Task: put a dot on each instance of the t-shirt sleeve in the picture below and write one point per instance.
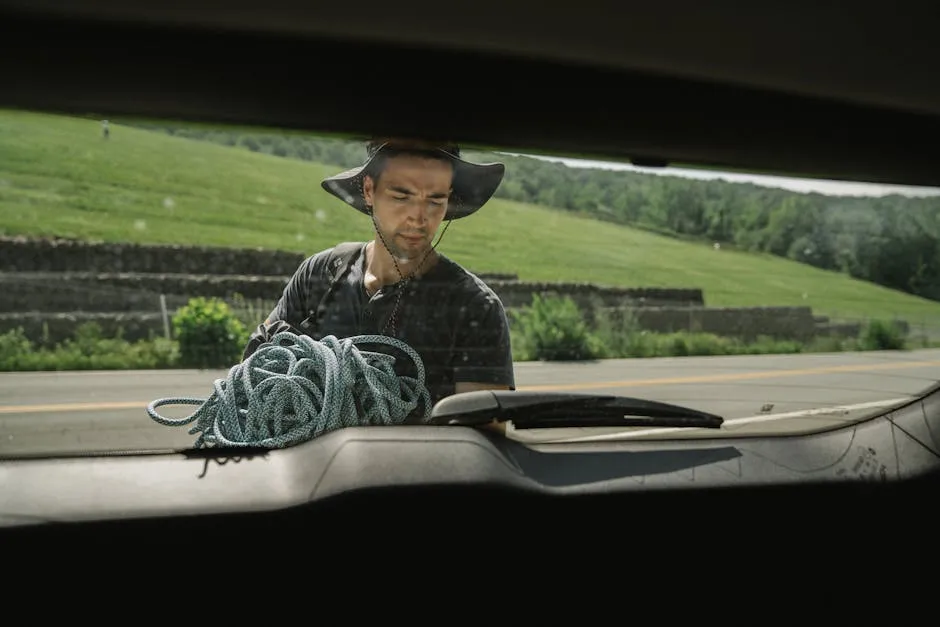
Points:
(483, 351)
(292, 305)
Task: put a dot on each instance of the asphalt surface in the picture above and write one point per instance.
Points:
(55, 413)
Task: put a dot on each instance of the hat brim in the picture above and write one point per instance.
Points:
(473, 186)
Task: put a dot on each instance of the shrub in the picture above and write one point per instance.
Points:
(209, 334)
(882, 335)
(553, 329)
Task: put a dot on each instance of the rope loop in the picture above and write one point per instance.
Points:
(294, 388)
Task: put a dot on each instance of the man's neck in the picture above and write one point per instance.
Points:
(380, 267)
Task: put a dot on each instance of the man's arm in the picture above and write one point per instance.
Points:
(468, 386)
(483, 360)
(483, 355)
(291, 308)
(465, 386)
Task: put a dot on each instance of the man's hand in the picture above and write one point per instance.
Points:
(466, 386)
(264, 332)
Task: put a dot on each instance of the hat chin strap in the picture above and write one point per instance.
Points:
(393, 317)
(395, 258)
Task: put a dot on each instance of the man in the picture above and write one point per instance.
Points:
(397, 284)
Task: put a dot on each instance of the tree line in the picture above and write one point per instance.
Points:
(893, 240)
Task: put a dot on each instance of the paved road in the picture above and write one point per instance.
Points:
(81, 411)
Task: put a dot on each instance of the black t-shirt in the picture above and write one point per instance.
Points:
(450, 317)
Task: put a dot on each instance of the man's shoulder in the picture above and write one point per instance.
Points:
(471, 287)
(326, 261)
(343, 249)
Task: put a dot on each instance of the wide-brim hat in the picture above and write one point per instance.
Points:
(473, 183)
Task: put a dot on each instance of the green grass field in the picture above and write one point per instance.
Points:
(58, 176)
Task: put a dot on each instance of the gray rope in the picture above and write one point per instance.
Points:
(285, 394)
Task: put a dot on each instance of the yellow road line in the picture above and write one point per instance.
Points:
(26, 409)
(744, 376)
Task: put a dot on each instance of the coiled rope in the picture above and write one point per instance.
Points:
(287, 393)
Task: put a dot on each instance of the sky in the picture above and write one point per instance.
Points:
(833, 188)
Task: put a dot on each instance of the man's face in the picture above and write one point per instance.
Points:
(409, 202)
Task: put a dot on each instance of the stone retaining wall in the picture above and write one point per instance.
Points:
(23, 254)
(64, 282)
(587, 296)
(72, 292)
(795, 323)
(48, 329)
(85, 291)
(18, 254)
(785, 323)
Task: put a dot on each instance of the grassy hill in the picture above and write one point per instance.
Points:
(58, 176)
